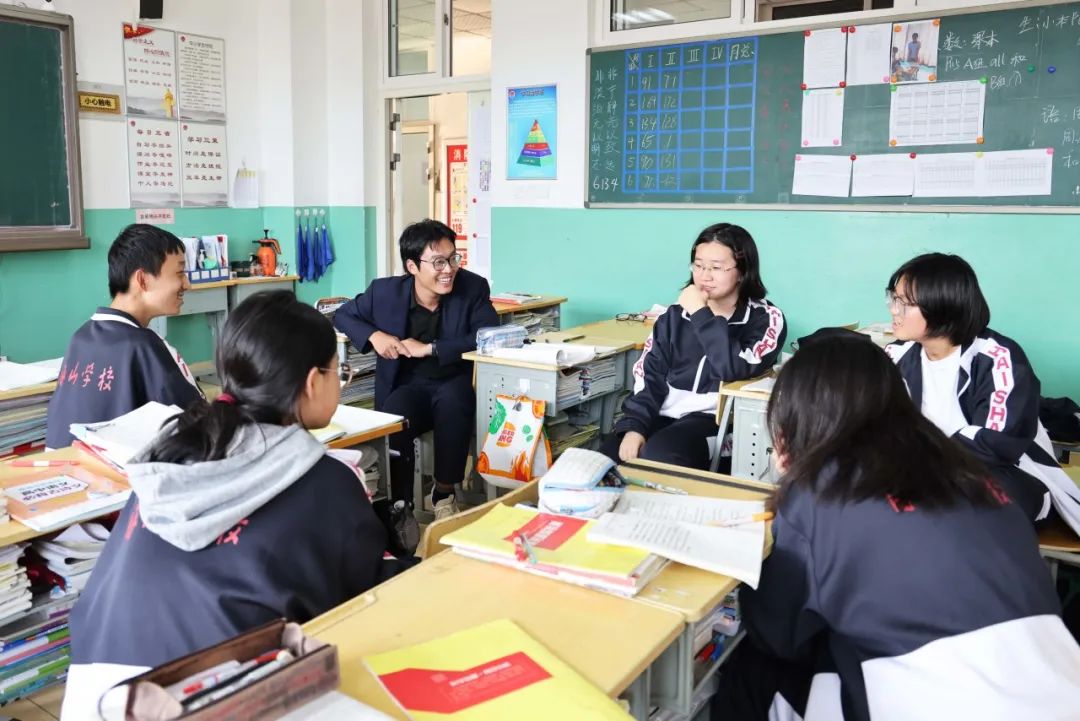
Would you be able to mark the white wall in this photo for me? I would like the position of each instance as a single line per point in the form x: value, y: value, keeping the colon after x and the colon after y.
x: 534, y: 46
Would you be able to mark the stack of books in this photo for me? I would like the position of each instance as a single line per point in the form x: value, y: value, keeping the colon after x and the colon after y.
x: 57, y: 497
x: 34, y: 640
x: 567, y: 435
x: 22, y: 424
x: 555, y: 547
x: 118, y: 441
x: 594, y: 378
x: 71, y: 557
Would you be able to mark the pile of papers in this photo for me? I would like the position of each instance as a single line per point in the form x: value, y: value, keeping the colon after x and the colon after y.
x: 71, y: 556
x: 361, y: 390
x: 23, y: 423
x: 678, y: 528
x: 14, y: 376
x: 557, y: 547
x: 118, y: 441
x: 563, y: 436
x: 34, y: 635
x: 593, y: 379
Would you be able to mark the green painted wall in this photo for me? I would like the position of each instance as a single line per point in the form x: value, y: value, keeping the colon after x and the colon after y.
x: 45, y: 296
x: 821, y: 268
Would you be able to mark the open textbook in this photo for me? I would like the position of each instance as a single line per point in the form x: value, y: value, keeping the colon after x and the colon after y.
x: 675, y: 527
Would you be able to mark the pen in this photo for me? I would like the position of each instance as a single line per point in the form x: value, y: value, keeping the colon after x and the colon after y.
x: 248, y: 677
x: 655, y: 486
x: 573, y: 337
x: 41, y: 464
x: 525, y: 552
x: 763, y: 516
x: 200, y: 689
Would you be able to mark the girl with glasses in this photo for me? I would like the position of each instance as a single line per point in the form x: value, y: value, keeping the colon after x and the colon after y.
x: 238, y: 515
x: 720, y: 329
x: 973, y: 383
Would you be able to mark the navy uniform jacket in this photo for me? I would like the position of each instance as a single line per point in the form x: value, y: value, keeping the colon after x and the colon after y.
x: 923, y: 614
x: 998, y: 393
x: 309, y: 549
x: 113, y: 366
x: 384, y: 306
x: 686, y: 357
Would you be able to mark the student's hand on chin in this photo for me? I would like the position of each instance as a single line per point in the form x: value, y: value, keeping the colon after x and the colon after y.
x: 416, y: 349
x: 631, y: 445
x: 691, y: 299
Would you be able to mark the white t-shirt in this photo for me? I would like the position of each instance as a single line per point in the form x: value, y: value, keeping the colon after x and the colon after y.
x: 939, y: 401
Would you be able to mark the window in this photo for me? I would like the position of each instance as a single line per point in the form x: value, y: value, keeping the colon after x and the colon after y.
x: 786, y: 9
x: 412, y: 37
x: 637, y: 14
x: 470, y: 38
x: 436, y: 39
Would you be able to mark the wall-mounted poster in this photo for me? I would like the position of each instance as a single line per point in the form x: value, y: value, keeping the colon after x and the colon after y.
x: 531, y: 133
x: 150, y: 71
x: 200, y: 68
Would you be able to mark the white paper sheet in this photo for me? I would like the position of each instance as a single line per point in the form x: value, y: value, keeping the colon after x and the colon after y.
x: 824, y: 55
x: 689, y: 509
x: 823, y: 118
x: 937, y: 113
x: 1015, y: 172
x: 734, y: 552
x: 359, y: 420
x: 945, y: 175
x: 890, y: 175
x: 21, y: 375
x: 822, y: 175
x: 869, y: 54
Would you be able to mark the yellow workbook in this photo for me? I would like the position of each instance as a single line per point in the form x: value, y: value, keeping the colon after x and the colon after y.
x: 493, y: 672
x: 558, y: 546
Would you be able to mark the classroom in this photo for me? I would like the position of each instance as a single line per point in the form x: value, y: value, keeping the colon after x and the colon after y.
x: 671, y: 360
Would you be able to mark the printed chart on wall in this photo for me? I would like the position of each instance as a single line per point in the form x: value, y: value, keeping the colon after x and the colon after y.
x: 968, y: 109
x: 531, y: 133
x: 457, y: 195
x: 175, y: 86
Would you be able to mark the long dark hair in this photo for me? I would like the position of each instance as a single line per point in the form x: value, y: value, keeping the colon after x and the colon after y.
x: 744, y: 249
x: 269, y: 346
x: 842, y: 416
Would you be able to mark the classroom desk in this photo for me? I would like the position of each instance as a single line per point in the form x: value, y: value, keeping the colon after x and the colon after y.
x: 690, y: 592
x: 751, y: 443
x: 15, y: 532
x: 1058, y: 543
x: 543, y: 303
x: 448, y: 593
x: 217, y: 298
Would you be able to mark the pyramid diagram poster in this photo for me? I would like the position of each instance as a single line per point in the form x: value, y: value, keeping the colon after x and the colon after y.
x: 531, y: 133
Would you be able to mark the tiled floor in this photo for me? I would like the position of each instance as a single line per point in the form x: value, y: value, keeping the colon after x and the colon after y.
x: 45, y: 706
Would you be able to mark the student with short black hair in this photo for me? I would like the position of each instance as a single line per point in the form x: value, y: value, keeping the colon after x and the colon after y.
x: 114, y: 362
x: 721, y: 329
x: 975, y: 384
x: 419, y: 324
x: 902, y: 583
x: 238, y: 515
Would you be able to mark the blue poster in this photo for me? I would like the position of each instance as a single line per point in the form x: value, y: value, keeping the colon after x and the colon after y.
x: 531, y: 132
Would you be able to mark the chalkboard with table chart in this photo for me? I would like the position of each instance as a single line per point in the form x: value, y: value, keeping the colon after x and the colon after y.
x: 718, y: 121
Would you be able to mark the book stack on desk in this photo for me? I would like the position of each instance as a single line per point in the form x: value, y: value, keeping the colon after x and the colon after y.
x: 585, y: 381
x: 34, y: 639
x: 22, y: 424
x: 70, y: 557
x: 117, y: 441
x: 555, y: 547
x: 567, y: 435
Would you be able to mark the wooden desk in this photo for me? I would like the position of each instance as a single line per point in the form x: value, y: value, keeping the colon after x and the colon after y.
x: 609, y: 640
x: 216, y: 298
x: 750, y: 435
x: 618, y: 332
x: 14, y: 531
x: 1058, y: 543
x: 544, y: 302
x: 690, y: 592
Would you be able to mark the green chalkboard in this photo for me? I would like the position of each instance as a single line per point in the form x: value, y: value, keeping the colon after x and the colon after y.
x: 719, y: 120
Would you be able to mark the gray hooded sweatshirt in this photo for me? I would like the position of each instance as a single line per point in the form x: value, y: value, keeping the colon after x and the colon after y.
x: 190, y: 505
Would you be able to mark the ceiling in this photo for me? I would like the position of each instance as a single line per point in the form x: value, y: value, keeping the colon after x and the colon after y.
x: 416, y: 22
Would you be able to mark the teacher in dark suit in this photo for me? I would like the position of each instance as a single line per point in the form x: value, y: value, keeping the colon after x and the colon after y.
x: 419, y: 325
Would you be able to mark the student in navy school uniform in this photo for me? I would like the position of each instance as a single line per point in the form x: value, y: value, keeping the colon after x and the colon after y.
x: 419, y: 324
x: 903, y: 584
x: 974, y: 383
x: 114, y: 362
x: 238, y: 516
x: 721, y: 329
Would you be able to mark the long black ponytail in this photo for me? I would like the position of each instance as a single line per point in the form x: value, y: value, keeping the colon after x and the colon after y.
x: 269, y: 346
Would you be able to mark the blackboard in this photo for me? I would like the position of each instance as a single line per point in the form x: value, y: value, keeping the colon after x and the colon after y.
x: 39, y: 173
x: 720, y: 118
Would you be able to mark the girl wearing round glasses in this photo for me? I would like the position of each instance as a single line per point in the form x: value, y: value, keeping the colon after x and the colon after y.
x: 975, y: 384
x: 720, y: 329
x: 238, y: 516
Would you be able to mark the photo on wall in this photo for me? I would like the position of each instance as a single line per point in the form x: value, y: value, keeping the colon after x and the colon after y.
x: 914, y: 50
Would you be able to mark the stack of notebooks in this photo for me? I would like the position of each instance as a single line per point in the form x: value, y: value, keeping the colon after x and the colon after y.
x: 15, y: 596
x: 71, y: 556
x: 34, y: 640
x: 592, y: 379
x: 555, y: 547
x: 567, y: 435
x: 53, y: 498
x: 22, y: 424
x: 118, y: 441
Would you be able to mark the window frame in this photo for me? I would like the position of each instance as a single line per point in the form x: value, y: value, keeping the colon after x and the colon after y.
x: 441, y: 76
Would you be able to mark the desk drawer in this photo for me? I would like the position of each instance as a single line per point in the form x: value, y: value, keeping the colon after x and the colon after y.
x: 204, y: 301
